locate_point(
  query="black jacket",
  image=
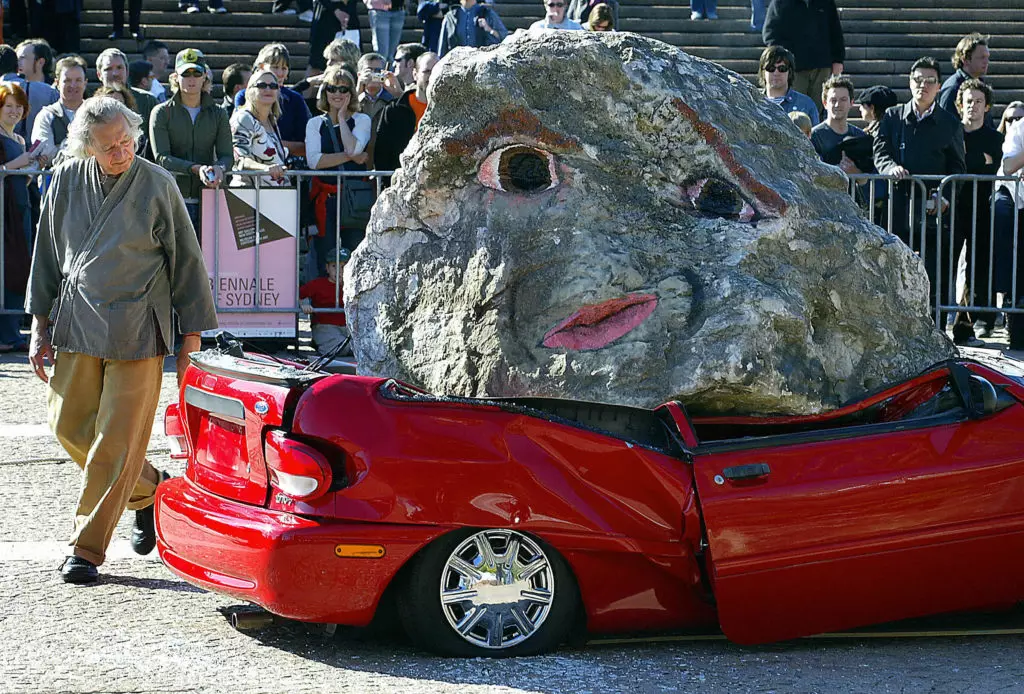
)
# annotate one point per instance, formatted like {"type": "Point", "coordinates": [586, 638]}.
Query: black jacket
{"type": "Point", "coordinates": [934, 145]}
{"type": "Point", "coordinates": [810, 29]}
{"type": "Point", "coordinates": [325, 25]}
{"type": "Point", "coordinates": [948, 94]}
{"type": "Point", "coordinates": [396, 127]}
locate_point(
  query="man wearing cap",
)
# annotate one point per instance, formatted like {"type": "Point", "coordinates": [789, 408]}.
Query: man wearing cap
{"type": "Point", "coordinates": [115, 256]}
{"type": "Point", "coordinates": [190, 133]}
{"type": "Point", "coordinates": [873, 102]}
{"type": "Point", "coordinates": [329, 329]}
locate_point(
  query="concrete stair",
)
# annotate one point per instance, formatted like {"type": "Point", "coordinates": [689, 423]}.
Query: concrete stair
{"type": "Point", "coordinates": [882, 40]}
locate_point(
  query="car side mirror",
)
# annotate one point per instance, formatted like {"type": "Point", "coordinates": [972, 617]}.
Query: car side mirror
{"type": "Point", "coordinates": [984, 396]}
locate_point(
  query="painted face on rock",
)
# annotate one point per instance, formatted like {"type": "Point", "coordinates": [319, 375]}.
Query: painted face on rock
{"type": "Point", "coordinates": [586, 242]}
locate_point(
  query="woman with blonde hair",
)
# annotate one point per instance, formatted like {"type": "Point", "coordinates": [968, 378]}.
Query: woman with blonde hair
{"type": "Point", "coordinates": [336, 141]}
{"type": "Point", "coordinates": [255, 135]}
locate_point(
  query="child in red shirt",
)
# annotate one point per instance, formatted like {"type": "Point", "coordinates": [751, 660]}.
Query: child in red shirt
{"type": "Point", "coordinates": [329, 329]}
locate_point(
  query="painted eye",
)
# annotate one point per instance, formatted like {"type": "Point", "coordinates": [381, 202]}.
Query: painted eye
{"type": "Point", "coordinates": [519, 169]}
{"type": "Point", "coordinates": [713, 197]}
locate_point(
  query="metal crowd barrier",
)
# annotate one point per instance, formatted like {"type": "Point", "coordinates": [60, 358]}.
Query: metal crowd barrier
{"type": "Point", "coordinates": [916, 192]}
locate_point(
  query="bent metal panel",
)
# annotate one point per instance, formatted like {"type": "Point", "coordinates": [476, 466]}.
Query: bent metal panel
{"type": "Point", "coordinates": [229, 250]}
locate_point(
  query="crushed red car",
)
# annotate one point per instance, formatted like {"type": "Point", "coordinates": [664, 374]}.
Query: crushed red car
{"type": "Point", "coordinates": [500, 525]}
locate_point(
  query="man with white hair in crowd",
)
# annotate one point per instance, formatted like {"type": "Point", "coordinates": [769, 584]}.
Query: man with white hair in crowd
{"type": "Point", "coordinates": [555, 17]}
{"type": "Point", "coordinates": [115, 257]}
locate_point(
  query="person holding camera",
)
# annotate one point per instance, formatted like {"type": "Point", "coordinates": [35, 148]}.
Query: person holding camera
{"type": "Point", "coordinates": [376, 89]}
{"type": "Point", "coordinates": [189, 133]}
{"type": "Point", "coordinates": [471, 24]}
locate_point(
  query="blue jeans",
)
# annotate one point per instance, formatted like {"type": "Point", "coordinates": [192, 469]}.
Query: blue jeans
{"type": "Point", "coordinates": [386, 27]}
{"type": "Point", "coordinates": [10, 323]}
{"type": "Point", "coordinates": [708, 8]}
{"type": "Point", "coordinates": [757, 14]}
{"type": "Point", "coordinates": [1003, 243]}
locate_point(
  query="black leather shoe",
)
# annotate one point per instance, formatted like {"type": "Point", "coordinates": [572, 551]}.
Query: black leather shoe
{"type": "Point", "coordinates": [114, 36]}
{"type": "Point", "coordinates": [139, 36]}
{"type": "Point", "coordinates": [144, 531]}
{"type": "Point", "coordinates": [78, 570]}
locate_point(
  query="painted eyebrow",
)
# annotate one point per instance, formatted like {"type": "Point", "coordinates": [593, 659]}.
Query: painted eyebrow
{"type": "Point", "coordinates": [764, 195]}
{"type": "Point", "coordinates": [511, 122]}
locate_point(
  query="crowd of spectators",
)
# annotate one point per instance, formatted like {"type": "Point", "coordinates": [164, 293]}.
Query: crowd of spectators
{"type": "Point", "coordinates": [356, 112]}
{"type": "Point", "coordinates": [945, 128]}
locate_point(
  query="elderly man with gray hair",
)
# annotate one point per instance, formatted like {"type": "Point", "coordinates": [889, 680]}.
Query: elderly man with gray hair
{"type": "Point", "coordinates": [115, 255]}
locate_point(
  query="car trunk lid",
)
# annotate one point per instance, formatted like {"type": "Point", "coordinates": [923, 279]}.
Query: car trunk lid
{"type": "Point", "coordinates": [227, 404]}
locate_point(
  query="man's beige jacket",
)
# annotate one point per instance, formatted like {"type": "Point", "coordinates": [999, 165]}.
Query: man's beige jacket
{"type": "Point", "coordinates": [109, 270]}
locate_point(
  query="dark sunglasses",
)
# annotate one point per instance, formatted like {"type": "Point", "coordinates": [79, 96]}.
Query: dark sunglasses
{"type": "Point", "coordinates": [337, 89]}
{"type": "Point", "coordinates": [777, 68]}
{"type": "Point", "coordinates": [193, 73]}
{"type": "Point", "coordinates": [266, 85]}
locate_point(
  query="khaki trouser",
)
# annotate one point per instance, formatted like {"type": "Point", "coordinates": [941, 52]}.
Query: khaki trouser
{"type": "Point", "coordinates": [809, 82]}
{"type": "Point", "coordinates": [102, 412]}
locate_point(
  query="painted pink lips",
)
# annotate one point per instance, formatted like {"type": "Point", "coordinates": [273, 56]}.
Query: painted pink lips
{"type": "Point", "coordinates": [596, 325]}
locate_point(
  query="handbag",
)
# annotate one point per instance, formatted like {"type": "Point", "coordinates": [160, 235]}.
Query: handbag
{"type": "Point", "coordinates": [357, 196]}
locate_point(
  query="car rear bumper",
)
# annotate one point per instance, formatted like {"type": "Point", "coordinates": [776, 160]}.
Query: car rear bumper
{"type": "Point", "coordinates": [285, 563]}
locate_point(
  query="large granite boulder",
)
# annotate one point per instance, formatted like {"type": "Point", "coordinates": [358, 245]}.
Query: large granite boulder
{"type": "Point", "coordinates": [604, 217]}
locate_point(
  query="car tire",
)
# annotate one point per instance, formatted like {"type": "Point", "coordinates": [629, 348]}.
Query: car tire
{"type": "Point", "coordinates": [495, 605]}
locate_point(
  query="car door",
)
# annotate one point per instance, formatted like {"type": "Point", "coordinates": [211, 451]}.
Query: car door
{"type": "Point", "coordinates": [822, 531]}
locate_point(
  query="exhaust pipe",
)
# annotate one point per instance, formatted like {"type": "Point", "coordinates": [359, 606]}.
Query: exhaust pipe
{"type": "Point", "coordinates": [250, 621]}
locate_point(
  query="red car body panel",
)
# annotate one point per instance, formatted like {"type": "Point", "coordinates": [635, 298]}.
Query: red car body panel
{"type": "Point", "coordinates": [850, 527]}
{"type": "Point", "coordinates": [283, 562]}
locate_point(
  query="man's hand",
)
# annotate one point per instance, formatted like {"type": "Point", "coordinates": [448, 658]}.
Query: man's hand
{"type": "Point", "coordinates": [360, 158]}
{"type": "Point", "coordinates": [211, 176]}
{"type": "Point", "coordinates": [191, 342]}
{"type": "Point", "coordinates": [482, 23]}
{"type": "Point", "coordinates": [276, 172]}
{"type": "Point", "coordinates": [307, 306]}
{"type": "Point", "coordinates": [392, 84]}
{"type": "Point", "coordinates": [899, 173]}
{"type": "Point", "coordinates": [342, 18]}
{"type": "Point", "coordinates": [837, 68]}
{"type": "Point", "coordinates": [40, 351]}
{"type": "Point", "coordinates": [847, 165]}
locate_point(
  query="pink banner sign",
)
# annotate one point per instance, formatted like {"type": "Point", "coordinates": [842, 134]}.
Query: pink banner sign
{"type": "Point", "coordinates": [229, 249]}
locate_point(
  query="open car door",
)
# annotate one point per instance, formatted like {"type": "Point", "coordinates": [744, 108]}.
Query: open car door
{"type": "Point", "coordinates": [917, 508]}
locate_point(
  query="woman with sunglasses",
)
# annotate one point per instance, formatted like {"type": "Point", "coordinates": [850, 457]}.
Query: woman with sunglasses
{"type": "Point", "coordinates": [257, 141]}
{"type": "Point", "coordinates": [1011, 114]}
{"type": "Point", "coordinates": [336, 141]}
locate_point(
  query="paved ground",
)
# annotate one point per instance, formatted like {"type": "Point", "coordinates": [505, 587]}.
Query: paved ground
{"type": "Point", "coordinates": [143, 630]}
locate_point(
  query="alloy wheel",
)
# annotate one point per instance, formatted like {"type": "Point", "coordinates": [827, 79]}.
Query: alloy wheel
{"type": "Point", "coordinates": [497, 588]}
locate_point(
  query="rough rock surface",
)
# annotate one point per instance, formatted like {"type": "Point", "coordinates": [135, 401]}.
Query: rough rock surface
{"type": "Point", "coordinates": [604, 217]}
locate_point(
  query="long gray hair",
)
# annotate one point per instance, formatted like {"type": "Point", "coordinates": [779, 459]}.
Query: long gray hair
{"type": "Point", "coordinates": [98, 110]}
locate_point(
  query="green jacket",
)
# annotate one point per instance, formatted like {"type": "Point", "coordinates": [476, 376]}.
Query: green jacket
{"type": "Point", "coordinates": [179, 144]}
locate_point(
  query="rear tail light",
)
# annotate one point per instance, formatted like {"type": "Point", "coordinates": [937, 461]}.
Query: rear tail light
{"type": "Point", "coordinates": [297, 469]}
{"type": "Point", "coordinates": [175, 430]}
